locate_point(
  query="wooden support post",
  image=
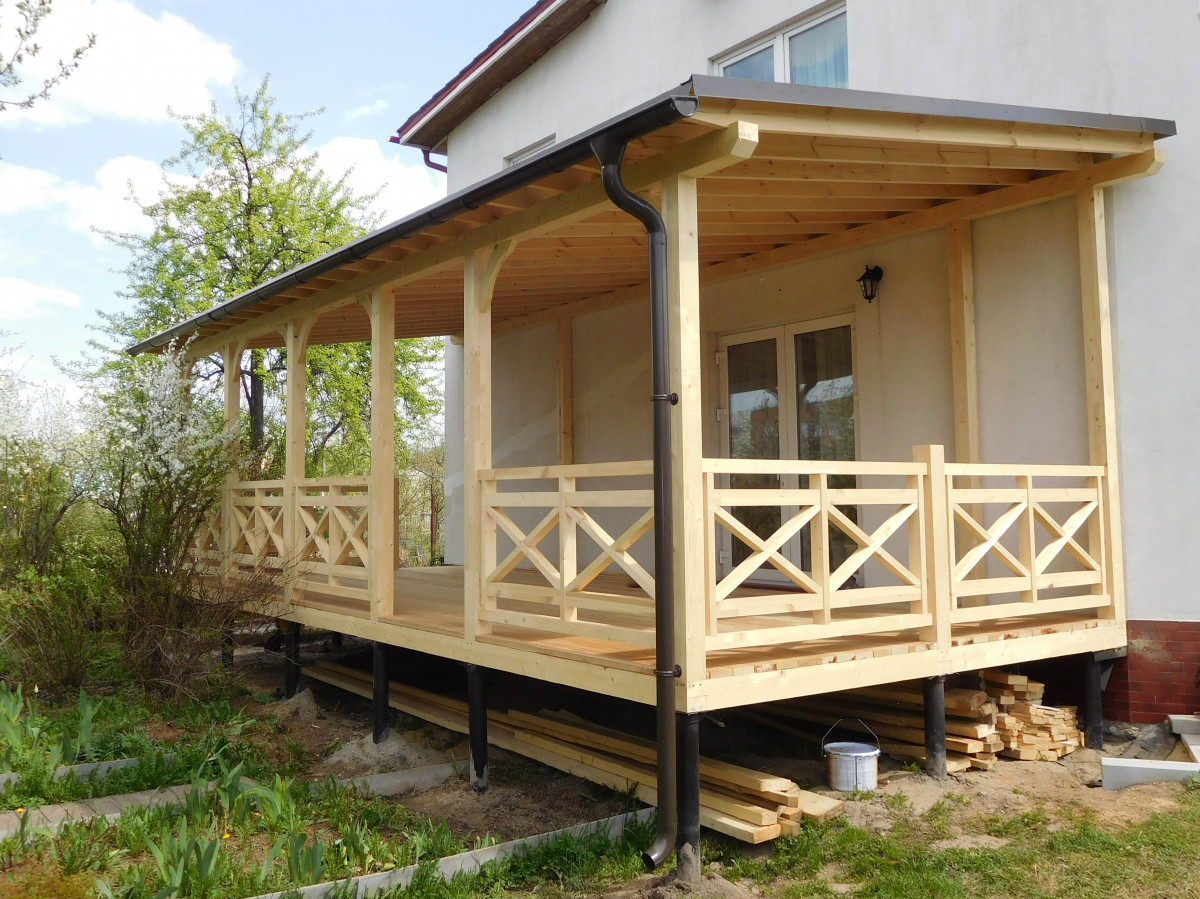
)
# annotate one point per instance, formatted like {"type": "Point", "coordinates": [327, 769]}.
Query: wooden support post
{"type": "Point", "coordinates": [963, 364]}
{"type": "Point", "coordinates": [679, 210]}
{"type": "Point", "coordinates": [291, 659]}
{"type": "Point", "coordinates": [938, 563]}
{"type": "Point", "coordinates": [1101, 389]}
{"type": "Point", "coordinates": [477, 725]}
{"type": "Point", "coordinates": [566, 392]}
{"type": "Point", "coordinates": [380, 687]}
{"type": "Point", "coordinates": [935, 725]}
{"type": "Point", "coordinates": [480, 269]}
{"type": "Point", "coordinates": [381, 492]}
{"type": "Point", "coordinates": [231, 358]}
{"type": "Point", "coordinates": [295, 446]}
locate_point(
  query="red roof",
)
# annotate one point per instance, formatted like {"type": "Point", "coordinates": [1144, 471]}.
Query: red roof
{"type": "Point", "coordinates": [503, 59]}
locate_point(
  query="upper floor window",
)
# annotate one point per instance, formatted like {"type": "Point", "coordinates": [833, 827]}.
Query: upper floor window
{"type": "Point", "coordinates": [813, 52]}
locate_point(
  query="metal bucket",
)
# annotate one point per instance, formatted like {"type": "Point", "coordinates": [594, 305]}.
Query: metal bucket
{"type": "Point", "coordinates": [851, 766]}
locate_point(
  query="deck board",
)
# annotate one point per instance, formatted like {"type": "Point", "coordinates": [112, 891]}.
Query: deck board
{"type": "Point", "coordinates": [430, 601]}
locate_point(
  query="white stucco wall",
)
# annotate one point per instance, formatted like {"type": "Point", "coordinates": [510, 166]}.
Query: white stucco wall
{"type": "Point", "coordinates": [1097, 55]}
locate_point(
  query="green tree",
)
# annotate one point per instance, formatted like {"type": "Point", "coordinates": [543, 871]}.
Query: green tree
{"type": "Point", "coordinates": [244, 201]}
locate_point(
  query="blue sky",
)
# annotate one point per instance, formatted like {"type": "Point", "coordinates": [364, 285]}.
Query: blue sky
{"type": "Point", "coordinates": [65, 166]}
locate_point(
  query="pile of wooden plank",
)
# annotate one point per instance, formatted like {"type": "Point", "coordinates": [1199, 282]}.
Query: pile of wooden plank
{"type": "Point", "coordinates": [1029, 729]}
{"type": "Point", "coordinates": [749, 805]}
{"type": "Point", "coordinates": [895, 715]}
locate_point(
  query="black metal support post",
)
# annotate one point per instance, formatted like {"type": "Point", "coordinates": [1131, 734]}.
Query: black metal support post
{"type": "Point", "coordinates": [935, 726]}
{"type": "Point", "coordinates": [687, 839]}
{"type": "Point", "coordinates": [291, 660]}
{"type": "Point", "coordinates": [1093, 710]}
{"type": "Point", "coordinates": [379, 692]}
{"type": "Point", "coordinates": [227, 648]}
{"type": "Point", "coordinates": [477, 723]}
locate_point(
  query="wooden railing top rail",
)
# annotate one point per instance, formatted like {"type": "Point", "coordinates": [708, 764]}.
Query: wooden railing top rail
{"type": "Point", "coordinates": [959, 469]}
{"type": "Point", "coordinates": [806, 466]}
{"type": "Point", "coordinates": [277, 484]}
{"type": "Point", "coordinates": [580, 470]}
{"type": "Point", "coordinates": [344, 481]}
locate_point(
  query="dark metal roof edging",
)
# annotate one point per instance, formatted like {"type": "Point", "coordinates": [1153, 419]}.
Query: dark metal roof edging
{"type": "Point", "coordinates": [720, 87]}
{"type": "Point", "coordinates": [664, 109]}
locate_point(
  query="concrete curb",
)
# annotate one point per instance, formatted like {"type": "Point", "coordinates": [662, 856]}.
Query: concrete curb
{"type": "Point", "coordinates": [54, 817]}
{"type": "Point", "coordinates": [85, 770]}
{"type": "Point", "coordinates": [464, 863]}
{"type": "Point", "coordinates": [1119, 773]}
{"type": "Point", "coordinates": [398, 783]}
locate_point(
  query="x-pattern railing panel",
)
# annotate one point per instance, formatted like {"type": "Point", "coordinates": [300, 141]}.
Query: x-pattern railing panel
{"type": "Point", "coordinates": [817, 512]}
{"type": "Point", "coordinates": [570, 517]}
{"type": "Point", "coordinates": [1021, 517]}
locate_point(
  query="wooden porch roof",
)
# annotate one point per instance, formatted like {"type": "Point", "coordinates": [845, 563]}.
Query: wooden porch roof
{"type": "Point", "coordinates": [785, 173]}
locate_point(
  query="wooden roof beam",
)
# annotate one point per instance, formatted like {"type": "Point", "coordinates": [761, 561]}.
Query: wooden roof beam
{"type": "Point", "coordinates": [829, 149]}
{"type": "Point", "coordinates": [830, 121]}
{"type": "Point", "coordinates": [1052, 187]}
{"type": "Point", "coordinates": [800, 170]}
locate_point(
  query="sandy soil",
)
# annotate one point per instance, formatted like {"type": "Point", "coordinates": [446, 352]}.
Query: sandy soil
{"type": "Point", "coordinates": [527, 798]}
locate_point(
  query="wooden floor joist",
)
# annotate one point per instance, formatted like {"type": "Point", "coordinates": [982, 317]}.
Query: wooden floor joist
{"type": "Point", "coordinates": [748, 805]}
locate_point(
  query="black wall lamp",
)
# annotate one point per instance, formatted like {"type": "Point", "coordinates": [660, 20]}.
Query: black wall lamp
{"type": "Point", "coordinates": [869, 282]}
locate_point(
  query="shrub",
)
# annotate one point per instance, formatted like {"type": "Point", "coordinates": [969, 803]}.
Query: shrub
{"type": "Point", "coordinates": [163, 460]}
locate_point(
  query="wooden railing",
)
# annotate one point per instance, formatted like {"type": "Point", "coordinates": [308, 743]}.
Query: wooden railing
{"type": "Point", "coordinates": [315, 532]}
{"type": "Point", "coordinates": [257, 518]}
{"type": "Point", "coordinates": [1027, 538]}
{"type": "Point", "coordinates": [803, 579]}
{"type": "Point", "coordinates": [590, 583]}
{"type": "Point", "coordinates": [332, 530]}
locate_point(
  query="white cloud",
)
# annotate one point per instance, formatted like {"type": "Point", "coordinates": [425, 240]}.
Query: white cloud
{"type": "Point", "coordinates": [402, 188]}
{"type": "Point", "coordinates": [368, 109]}
{"type": "Point", "coordinates": [23, 299]}
{"type": "Point", "coordinates": [139, 66]}
{"type": "Point", "coordinates": [104, 203]}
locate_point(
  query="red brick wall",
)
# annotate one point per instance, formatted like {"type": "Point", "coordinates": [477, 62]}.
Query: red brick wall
{"type": "Point", "coordinates": [1159, 676]}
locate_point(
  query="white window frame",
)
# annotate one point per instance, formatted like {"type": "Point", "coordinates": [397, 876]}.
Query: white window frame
{"type": "Point", "coordinates": [785, 347]}
{"type": "Point", "coordinates": [518, 156]}
{"type": "Point", "coordinates": [777, 39]}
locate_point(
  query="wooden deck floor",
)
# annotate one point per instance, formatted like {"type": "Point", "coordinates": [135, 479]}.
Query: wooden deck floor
{"type": "Point", "coordinates": [430, 600]}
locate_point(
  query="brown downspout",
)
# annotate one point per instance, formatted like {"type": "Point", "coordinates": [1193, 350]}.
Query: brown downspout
{"type": "Point", "coordinates": [609, 151]}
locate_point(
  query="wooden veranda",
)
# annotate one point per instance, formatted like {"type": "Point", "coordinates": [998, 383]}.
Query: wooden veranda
{"type": "Point", "coordinates": [972, 564]}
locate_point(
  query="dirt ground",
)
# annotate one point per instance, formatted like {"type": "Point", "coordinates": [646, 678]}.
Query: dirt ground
{"type": "Point", "coordinates": [528, 798]}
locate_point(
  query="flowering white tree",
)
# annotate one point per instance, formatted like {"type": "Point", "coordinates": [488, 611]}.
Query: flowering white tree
{"type": "Point", "coordinates": [43, 468]}
{"type": "Point", "coordinates": [163, 459]}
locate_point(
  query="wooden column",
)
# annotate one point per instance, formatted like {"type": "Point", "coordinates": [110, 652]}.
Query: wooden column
{"type": "Point", "coordinates": [231, 359]}
{"type": "Point", "coordinates": [381, 490]}
{"type": "Point", "coordinates": [937, 562]}
{"type": "Point", "coordinates": [480, 269]}
{"type": "Point", "coordinates": [566, 392]}
{"type": "Point", "coordinates": [1101, 387]}
{"type": "Point", "coordinates": [295, 341]}
{"type": "Point", "coordinates": [963, 366]}
{"type": "Point", "coordinates": [687, 449]}
{"type": "Point", "coordinates": [962, 342]}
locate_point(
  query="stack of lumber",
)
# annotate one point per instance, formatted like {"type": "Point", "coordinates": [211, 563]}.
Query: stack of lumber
{"type": "Point", "coordinates": [1029, 729]}
{"type": "Point", "coordinates": [895, 714]}
{"type": "Point", "coordinates": [749, 805]}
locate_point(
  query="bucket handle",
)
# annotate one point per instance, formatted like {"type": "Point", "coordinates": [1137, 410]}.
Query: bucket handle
{"type": "Point", "coordinates": [839, 721]}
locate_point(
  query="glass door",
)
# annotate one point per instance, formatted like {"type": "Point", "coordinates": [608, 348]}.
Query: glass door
{"type": "Point", "coordinates": [789, 394]}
